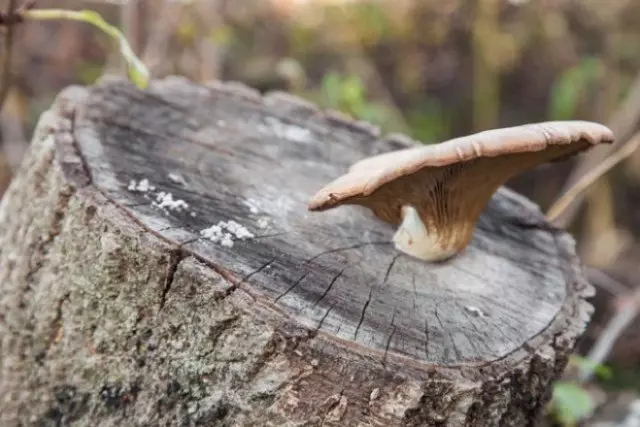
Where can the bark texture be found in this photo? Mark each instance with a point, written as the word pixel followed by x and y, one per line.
pixel 115 308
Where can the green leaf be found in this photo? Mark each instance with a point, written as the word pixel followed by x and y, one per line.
pixel 353 91
pixel 332 89
pixel 138 72
pixel 348 95
pixel 430 121
pixel 371 113
pixel 568 89
pixel 585 364
pixel 570 403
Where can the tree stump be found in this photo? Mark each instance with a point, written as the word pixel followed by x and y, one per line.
pixel 158 267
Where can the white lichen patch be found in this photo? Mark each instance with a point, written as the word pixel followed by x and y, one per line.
pixel 239 231
pixel 225 233
pixel 216 234
pixel 166 201
pixel 162 200
pixel 286 131
pixel 140 187
pixel 263 222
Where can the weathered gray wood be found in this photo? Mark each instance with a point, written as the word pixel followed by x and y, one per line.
pixel 115 307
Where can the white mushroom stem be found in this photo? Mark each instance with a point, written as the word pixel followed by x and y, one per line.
pixel 414 239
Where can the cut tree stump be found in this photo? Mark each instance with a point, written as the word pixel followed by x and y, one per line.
pixel 116 309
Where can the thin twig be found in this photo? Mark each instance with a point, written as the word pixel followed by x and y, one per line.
pixel 605 282
pixel 617 324
pixel 5 81
pixel 571 196
pixel 623 123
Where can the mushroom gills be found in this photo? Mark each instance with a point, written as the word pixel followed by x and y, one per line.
pixel 413 238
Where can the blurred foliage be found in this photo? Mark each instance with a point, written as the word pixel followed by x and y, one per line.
pixel 570 86
pixel 570 404
pixel 602 372
pixel 348 94
pixel 622 378
pixel 430 121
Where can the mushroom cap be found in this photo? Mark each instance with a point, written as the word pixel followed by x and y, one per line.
pixel 485 159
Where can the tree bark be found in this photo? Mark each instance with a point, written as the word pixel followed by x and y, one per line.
pixel 117 309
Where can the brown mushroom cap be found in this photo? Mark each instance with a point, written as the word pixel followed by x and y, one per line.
pixel 450 184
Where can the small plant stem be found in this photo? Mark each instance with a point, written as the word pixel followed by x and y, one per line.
pixel 5 84
pixel 137 70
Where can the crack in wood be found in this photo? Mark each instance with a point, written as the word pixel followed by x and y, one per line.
pixel 195 239
pixel 290 288
pixel 393 331
pixel 347 248
pixel 324 317
pixel 136 205
pixel 45 242
pixel 256 271
pixel 56 326
pixel 426 339
pixel 373 288
pixel 175 257
pixel 364 310
pixel 171 227
pixel 389 268
pixel 448 342
pixel 79 172
pixel 328 289
pixel 415 291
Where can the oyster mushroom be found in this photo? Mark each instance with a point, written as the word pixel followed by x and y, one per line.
pixel 436 193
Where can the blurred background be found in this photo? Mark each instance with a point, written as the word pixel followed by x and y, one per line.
pixel 433 69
